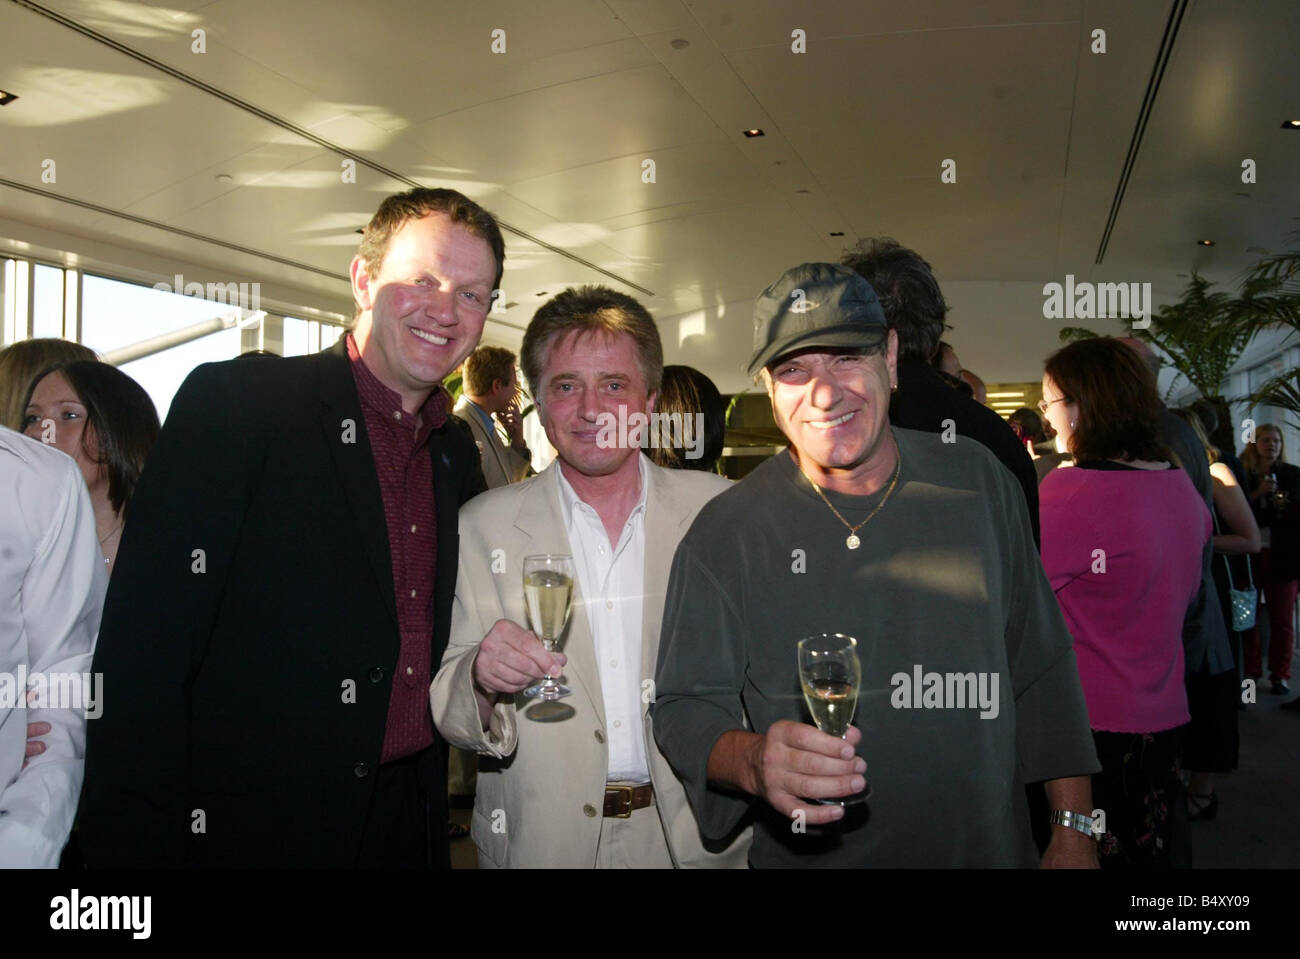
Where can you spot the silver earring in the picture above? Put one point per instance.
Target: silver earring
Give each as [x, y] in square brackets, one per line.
[1073, 424]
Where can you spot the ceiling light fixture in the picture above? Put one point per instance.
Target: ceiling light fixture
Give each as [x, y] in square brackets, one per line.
[679, 44]
[6, 97]
[837, 233]
[1205, 243]
[755, 132]
[1291, 125]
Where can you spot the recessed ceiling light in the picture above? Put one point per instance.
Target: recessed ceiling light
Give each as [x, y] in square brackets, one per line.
[679, 44]
[1205, 242]
[838, 233]
[224, 178]
[1291, 125]
[755, 132]
[6, 97]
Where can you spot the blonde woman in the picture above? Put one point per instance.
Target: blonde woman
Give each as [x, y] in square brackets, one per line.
[1273, 486]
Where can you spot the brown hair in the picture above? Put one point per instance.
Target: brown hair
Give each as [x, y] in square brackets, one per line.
[122, 416]
[687, 392]
[1119, 409]
[19, 366]
[1250, 455]
[589, 309]
[1189, 416]
[416, 204]
[485, 366]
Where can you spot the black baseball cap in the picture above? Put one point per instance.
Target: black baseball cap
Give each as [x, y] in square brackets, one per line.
[816, 304]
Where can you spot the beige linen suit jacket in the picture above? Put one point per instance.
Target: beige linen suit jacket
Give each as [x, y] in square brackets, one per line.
[541, 786]
[501, 464]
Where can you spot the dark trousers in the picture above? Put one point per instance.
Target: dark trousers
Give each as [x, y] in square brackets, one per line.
[1280, 607]
[407, 824]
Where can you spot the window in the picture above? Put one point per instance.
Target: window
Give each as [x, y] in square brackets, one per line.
[47, 304]
[117, 315]
[297, 336]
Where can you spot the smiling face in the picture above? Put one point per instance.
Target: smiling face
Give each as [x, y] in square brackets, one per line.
[834, 408]
[423, 312]
[585, 376]
[54, 401]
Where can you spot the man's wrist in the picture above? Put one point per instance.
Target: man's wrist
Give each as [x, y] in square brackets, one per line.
[1072, 825]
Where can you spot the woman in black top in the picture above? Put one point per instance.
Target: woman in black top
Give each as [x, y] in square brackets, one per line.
[1274, 489]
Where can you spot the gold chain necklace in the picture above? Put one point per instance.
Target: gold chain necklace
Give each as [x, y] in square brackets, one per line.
[853, 542]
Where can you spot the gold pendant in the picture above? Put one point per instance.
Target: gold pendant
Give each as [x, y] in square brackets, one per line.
[853, 542]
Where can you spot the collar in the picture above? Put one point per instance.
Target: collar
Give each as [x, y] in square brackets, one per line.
[378, 398]
[570, 501]
[488, 423]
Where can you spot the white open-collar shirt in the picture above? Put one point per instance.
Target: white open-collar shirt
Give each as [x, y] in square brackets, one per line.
[52, 583]
[612, 580]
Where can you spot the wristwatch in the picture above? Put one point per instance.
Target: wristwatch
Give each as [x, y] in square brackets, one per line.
[1073, 820]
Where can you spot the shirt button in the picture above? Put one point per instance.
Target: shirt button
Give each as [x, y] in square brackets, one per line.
[377, 674]
[397, 414]
[412, 594]
[600, 737]
[362, 770]
[412, 527]
[618, 724]
[409, 671]
[589, 810]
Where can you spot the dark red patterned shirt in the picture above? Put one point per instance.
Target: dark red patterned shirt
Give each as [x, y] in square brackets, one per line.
[400, 443]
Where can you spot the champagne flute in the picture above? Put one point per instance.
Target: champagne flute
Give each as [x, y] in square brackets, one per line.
[830, 674]
[548, 594]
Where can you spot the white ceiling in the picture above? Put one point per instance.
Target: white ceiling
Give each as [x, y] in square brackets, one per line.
[552, 134]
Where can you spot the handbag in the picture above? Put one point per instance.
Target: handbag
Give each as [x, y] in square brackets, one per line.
[1242, 601]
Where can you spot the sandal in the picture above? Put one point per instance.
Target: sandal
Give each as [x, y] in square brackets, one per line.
[1202, 806]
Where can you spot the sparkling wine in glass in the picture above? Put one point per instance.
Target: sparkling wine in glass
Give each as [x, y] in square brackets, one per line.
[548, 594]
[830, 674]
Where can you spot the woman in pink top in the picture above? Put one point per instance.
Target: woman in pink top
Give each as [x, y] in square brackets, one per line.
[1123, 534]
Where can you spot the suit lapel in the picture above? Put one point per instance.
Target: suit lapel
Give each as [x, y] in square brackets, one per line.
[344, 429]
[542, 523]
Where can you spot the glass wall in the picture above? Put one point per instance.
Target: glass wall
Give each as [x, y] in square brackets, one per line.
[121, 320]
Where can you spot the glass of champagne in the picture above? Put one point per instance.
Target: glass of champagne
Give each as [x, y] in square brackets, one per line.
[548, 594]
[830, 674]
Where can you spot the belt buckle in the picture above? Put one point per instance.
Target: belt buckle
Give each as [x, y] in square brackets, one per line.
[624, 809]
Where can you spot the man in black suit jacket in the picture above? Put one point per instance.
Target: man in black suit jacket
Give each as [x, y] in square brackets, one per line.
[257, 641]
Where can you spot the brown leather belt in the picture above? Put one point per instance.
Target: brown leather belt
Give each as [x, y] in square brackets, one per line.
[621, 800]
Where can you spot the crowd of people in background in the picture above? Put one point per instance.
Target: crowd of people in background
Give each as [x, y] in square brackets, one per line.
[1143, 556]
